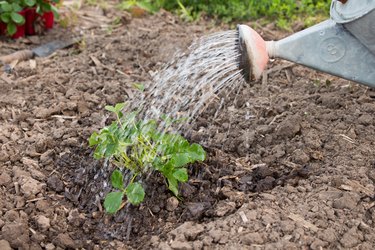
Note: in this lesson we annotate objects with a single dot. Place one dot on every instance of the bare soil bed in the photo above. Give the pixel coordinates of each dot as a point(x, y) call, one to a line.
point(290, 165)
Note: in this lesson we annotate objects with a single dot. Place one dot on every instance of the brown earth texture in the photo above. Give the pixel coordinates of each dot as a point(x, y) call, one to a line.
point(290, 162)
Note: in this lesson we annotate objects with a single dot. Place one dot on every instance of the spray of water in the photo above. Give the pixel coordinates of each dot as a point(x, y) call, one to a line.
point(184, 87)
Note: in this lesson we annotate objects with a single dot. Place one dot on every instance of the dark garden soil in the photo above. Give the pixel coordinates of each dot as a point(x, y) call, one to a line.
point(290, 165)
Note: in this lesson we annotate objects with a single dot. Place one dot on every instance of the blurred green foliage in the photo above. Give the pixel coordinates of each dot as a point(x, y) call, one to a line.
point(282, 12)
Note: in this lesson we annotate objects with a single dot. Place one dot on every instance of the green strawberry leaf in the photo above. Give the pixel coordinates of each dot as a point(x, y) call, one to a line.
point(110, 108)
point(179, 160)
point(5, 17)
point(11, 28)
point(6, 7)
point(146, 6)
point(45, 6)
point(16, 7)
point(30, 3)
point(117, 179)
point(112, 202)
point(116, 109)
point(135, 193)
point(94, 139)
point(197, 152)
point(181, 175)
point(139, 86)
point(119, 107)
point(172, 184)
point(55, 11)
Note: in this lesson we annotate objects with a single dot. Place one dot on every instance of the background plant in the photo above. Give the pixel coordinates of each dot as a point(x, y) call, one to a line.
point(140, 147)
point(10, 11)
point(43, 6)
point(282, 12)
point(10, 14)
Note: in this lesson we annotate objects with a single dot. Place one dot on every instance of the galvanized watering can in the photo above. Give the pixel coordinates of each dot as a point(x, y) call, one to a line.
point(343, 46)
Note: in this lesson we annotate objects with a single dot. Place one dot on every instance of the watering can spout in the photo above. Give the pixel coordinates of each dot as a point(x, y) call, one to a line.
point(328, 47)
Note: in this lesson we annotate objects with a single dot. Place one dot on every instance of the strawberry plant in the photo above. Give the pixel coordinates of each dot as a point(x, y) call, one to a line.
point(140, 147)
point(10, 14)
point(18, 17)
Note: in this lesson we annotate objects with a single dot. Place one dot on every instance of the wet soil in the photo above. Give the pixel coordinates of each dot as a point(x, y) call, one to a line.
point(290, 161)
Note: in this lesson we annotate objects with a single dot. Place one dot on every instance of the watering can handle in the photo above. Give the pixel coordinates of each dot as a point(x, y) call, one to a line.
point(19, 55)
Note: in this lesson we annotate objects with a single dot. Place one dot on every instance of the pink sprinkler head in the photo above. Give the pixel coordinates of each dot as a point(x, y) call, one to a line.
point(254, 56)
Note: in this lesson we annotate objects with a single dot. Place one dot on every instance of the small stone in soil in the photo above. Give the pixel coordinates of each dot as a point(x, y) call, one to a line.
point(155, 209)
point(172, 204)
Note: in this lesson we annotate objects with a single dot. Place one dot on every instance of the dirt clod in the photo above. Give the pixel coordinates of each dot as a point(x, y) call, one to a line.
point(351, 238)
point(17, 234)
point(64, 241)
point(4, 245)
point(197, 209)
point(172, 204)
point(30, 187)
point(252, 238)
point(224, 207)
point(181, 245)
point(55, 183)
point(42, 222)
point(50, 246)
point(5, 179)
point(348, 200)
point(289, 127)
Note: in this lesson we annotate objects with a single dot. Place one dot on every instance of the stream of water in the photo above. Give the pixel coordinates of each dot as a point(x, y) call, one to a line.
point(184, 87)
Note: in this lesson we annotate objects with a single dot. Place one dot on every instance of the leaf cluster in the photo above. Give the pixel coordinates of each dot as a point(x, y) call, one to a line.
point(283, 12)
point(9, 14)
point(10, 11)
point(140, 147)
